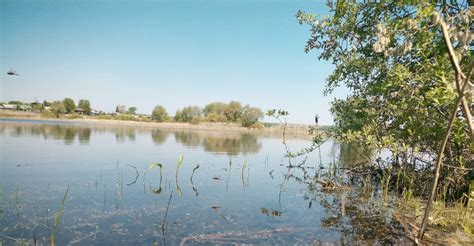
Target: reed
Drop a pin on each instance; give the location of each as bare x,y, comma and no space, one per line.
57,216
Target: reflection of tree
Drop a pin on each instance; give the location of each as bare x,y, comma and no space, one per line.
122,133
356,214
159,136
352,155
84,135
63,132
188,138
69,134
231,144
240,144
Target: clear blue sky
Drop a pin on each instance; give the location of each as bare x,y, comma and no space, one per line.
173,53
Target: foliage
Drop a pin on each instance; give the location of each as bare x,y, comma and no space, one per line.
187,113
57,216
392,57
159,114
74,116
37,106
132,110
47,114
57,108
233,111
46,104
128,117
16,102
250,116
85,105
215,112
69,104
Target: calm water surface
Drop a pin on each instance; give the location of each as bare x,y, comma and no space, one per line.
242,191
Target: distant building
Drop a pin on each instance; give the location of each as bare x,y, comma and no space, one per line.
79,111
8,107
25,107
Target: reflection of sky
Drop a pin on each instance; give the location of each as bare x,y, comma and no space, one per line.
48,165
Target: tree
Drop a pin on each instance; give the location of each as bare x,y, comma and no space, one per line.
159,114
57,108
188,113
46,104
250,116
131,110
69,104
16,102
85,105
233,111
215,112
408,65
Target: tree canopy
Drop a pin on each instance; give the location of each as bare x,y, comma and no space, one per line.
85,105
69,105
159,114
403,83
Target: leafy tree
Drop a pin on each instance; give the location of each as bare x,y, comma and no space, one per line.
250,115
159,114
188,113
69,104
407,65
46,104
16,102
131,110
57,108
85,105
233,111
36,106
215,112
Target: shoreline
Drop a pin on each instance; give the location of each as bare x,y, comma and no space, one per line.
292,131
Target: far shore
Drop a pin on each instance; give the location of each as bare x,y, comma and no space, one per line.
293,130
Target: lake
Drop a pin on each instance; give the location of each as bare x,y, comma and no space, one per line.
242,192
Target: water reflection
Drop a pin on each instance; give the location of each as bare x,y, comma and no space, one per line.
122,134
117,197
227,143
230,143
159,136
68,133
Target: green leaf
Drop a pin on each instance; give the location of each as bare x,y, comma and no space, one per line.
180,161
155,165
157,191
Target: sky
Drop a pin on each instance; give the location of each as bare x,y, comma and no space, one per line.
171,53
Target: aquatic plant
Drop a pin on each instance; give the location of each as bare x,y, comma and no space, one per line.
194,170
180,162
57,216
153,166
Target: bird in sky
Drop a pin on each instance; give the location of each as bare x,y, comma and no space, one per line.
12,72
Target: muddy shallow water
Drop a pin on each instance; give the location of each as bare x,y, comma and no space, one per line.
242,191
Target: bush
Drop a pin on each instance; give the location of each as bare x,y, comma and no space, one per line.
250,116
74,116
104,117
159,114
196,120
47,114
